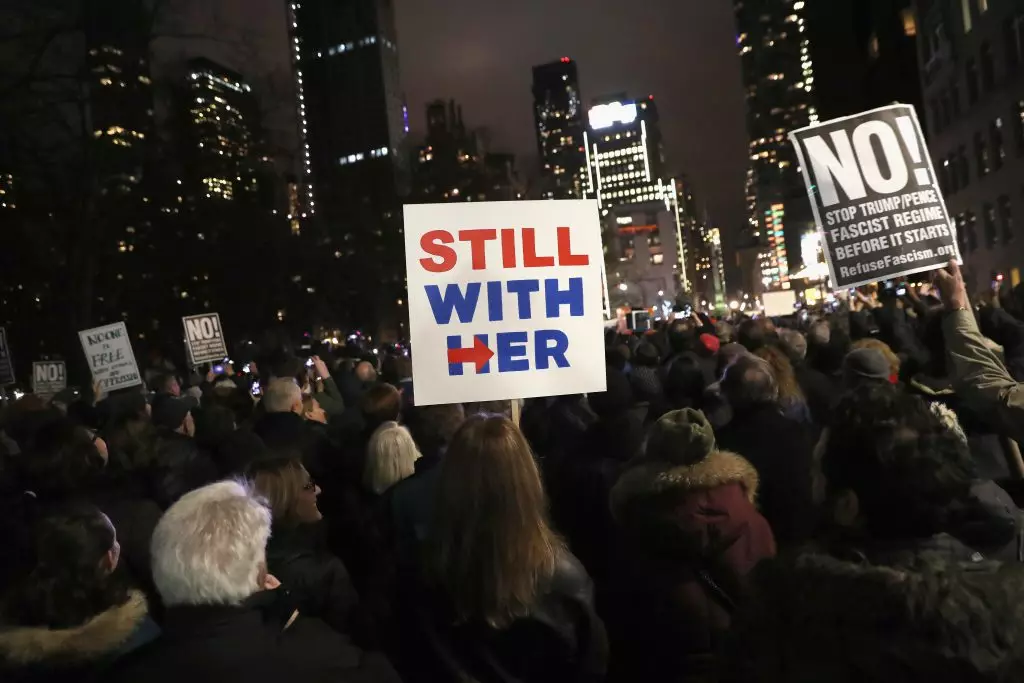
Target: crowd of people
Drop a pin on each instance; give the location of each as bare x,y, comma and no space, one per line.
819,498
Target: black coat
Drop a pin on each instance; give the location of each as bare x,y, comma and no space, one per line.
288,433
251,643
561,639
178,466
316,579
820,389
781,450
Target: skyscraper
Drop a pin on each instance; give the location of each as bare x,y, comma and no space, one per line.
352,124
558,118
778,76
222,136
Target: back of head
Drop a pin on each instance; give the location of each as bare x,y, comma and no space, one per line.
391,457
279,481
782,369
794,344
724,331
490,545
282,395
753,334
865,365
646,355
209,548
365,372
682,335
617,397
748,383
67,572
433,427
816,618
907,469
63,460
381,403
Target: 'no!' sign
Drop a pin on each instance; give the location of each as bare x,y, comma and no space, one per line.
504,300
204,338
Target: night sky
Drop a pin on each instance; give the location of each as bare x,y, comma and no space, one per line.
480,52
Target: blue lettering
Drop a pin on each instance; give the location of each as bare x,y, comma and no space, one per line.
512,352
495,305
523,289
464,305
455,342
556,298
551,345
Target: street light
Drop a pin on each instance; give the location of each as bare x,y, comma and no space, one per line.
623,287
661,292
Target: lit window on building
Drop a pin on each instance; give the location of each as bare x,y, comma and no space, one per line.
218,187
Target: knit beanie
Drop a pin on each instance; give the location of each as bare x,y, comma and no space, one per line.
682,437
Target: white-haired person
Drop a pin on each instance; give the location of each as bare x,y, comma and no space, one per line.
285,429
225,619
391,457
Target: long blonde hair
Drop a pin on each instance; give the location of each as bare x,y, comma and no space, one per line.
490,547
785,377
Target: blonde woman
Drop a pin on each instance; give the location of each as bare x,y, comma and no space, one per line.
390,457
511,598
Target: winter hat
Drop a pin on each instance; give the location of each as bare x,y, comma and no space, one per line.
710,342
866,364
682,437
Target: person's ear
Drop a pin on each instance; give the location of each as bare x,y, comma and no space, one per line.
846,508
297,408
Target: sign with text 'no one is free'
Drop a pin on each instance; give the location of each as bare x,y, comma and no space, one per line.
205,338
875,198
108,350
504,300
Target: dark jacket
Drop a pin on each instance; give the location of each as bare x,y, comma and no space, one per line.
77,655
820,389
252,643
178,466
687,537
561,639
781,451
288,433
316,579
411,505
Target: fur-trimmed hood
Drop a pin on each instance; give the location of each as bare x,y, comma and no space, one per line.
657,477
101,636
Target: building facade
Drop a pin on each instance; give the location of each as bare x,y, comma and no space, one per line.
779,82
558,121
972,73
354,168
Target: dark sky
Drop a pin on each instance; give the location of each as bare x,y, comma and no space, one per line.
480,52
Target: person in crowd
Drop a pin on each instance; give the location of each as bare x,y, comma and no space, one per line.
177,463
297,553
433,428
684,341
226,617
820,390
688,534
69,616
865,365
646,379
166,384
67,463
792,400
819,618
312,411
391,457
878,345
754,334
724,332
283,429
779,448
353,385
379,404
510,601
324,390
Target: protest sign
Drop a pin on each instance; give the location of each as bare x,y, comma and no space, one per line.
108,350
204,338
875,197
504,300
778,303
6,362
48,377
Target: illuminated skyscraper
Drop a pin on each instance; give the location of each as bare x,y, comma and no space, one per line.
778,76
223,118
558,117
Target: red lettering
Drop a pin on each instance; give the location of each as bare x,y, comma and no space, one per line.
530,258
508,248
565,255
433,243
478,240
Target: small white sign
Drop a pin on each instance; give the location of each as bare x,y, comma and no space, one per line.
204,338
778,303
108,350
504,300
49,377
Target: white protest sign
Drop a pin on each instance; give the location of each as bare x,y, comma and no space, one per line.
875,197
108,350
204,338
48,377
778,303
6,362
504,300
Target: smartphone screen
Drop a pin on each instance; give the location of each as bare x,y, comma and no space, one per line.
218,369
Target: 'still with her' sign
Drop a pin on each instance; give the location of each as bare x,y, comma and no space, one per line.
504,300
873,191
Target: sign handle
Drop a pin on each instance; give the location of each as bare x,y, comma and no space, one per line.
516,409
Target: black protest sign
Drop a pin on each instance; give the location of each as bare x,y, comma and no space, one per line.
875,198
6,362
204,338
49,377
